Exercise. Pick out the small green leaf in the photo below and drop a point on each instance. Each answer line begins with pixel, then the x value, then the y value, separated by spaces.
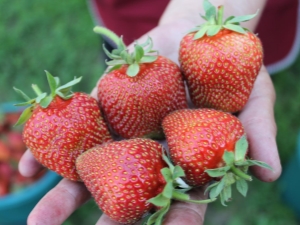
pixel 40 97
pixel 178 172
pixel 227 193
pixel 22 94
pixel 168 190
pixel 139 52
pixel 53 82
pixel 259 163
pixel 133 70
pixel 148 59
pixel 157 217
pixel 228 157
pixel 242 186
pixel 241 148
pixel 167 160
pixel 219 172
pixel 159 200
pixel 116 62
pixel 109 69
pixel 229 18
pixel 64 91
pixel 26 114
pixel 235 28
pixel 210 187
pixel 201 32
pixel 210 10
pixel 238 19
pixel 213 30
pixel 45 102
pixel 167 174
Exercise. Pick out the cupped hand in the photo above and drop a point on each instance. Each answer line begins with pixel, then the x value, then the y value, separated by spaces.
pixel 258 119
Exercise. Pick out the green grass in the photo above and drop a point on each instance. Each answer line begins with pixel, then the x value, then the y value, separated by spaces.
pixel 57 36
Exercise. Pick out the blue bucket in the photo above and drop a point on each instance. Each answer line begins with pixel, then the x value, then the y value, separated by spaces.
pixel 290 181
pixel 15 207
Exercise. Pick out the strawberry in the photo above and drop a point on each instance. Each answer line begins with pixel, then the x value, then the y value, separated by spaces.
pixel 129 178
pixel 139 89
pixel 209 144
pixel 220 61
pixel 61 126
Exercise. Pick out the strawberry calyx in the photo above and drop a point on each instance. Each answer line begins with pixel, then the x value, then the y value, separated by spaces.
pixel 175 188
pixel 234 172
pixel 214 21
pixel 42 98
pixel 142 53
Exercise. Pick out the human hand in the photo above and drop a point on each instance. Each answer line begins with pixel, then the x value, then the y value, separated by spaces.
pixel 257 117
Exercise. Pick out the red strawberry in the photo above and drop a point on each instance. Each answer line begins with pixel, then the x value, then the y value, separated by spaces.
pixel 220 61
pixel 127 178
pixel 61 126
pixel 209 144
pixel 139 90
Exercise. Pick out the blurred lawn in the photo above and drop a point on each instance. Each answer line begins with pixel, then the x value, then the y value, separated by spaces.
pixel 57 36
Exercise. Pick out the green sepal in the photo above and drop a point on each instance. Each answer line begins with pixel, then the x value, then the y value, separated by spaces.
pixel 214 21
pixel 218 172
pixel 45 102
pixel 228 158
pixel 160 200
pixel 239 19
pixel 64 91
pixel 42 98
pixel 142 53
pixel 242 187
pixel 178 172
pixel 53 82
pixel 241 148
pixel 158 216
pixel 234 172
pixel 28 99
pixel 26 114
pixel 235 28
pixel 133 70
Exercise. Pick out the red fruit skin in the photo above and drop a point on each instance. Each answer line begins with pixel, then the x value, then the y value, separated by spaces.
pixel 135 106
pixel 122 176
pixel 197 139
pixel 221 70
pixel 66 128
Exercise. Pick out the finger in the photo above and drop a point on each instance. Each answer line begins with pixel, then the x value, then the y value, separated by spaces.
pixel 59 203
pixel 258 120
pixel 28 166
pixel 187 213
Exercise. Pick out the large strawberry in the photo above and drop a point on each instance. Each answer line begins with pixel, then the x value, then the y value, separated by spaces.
pixel 209 144
pixel 129 178
pixel 61 126
pixel 220 61
pixel 139 89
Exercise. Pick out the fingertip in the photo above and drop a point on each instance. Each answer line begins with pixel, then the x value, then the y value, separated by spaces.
pixel 28 166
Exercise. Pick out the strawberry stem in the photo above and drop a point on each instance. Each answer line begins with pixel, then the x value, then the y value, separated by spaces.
pixel 108 33
pixel 240 173
pixel 220 15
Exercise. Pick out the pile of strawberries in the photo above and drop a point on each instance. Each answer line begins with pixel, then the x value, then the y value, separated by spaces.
pixel 111 144
pixel 12 148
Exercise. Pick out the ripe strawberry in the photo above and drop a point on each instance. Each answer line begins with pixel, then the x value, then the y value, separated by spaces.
pixel 61 126
pixel 209 144
pixel 220 61
pixel 139 90
pixel 129 177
